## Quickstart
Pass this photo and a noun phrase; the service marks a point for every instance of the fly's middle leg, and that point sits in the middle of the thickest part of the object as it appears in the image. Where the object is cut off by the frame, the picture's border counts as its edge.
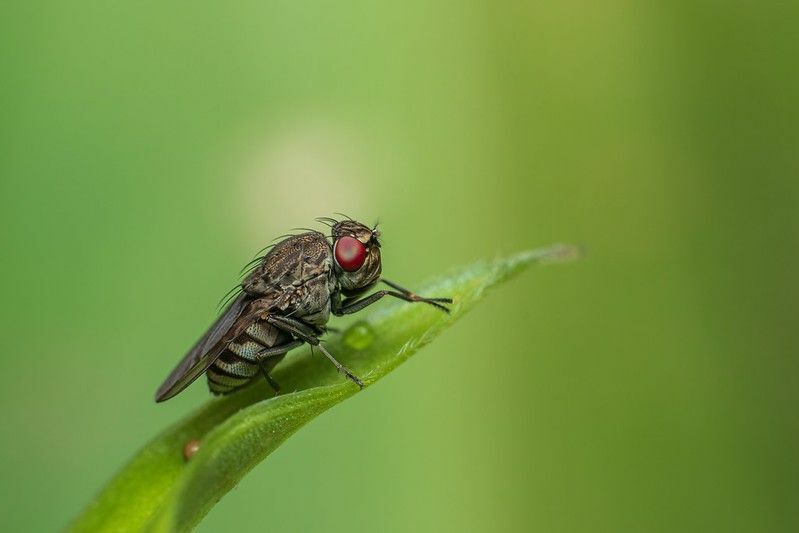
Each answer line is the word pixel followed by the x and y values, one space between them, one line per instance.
pixel 306 333
pixel 341 368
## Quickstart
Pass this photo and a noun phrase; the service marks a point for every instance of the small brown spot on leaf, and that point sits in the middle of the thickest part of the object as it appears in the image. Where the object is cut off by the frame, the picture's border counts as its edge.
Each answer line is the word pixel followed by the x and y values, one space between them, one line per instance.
pixel 190 448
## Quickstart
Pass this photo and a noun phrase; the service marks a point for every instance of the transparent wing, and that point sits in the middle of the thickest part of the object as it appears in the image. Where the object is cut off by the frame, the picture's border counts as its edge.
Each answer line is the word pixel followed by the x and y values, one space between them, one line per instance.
pixel 204 352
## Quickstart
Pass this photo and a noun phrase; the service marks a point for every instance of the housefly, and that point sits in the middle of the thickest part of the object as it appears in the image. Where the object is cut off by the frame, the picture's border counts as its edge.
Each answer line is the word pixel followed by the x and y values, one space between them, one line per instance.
pixel 285 302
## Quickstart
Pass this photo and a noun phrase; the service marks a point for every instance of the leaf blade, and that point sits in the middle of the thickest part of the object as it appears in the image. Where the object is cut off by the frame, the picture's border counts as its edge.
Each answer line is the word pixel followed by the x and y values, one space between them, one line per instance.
pixel 157 490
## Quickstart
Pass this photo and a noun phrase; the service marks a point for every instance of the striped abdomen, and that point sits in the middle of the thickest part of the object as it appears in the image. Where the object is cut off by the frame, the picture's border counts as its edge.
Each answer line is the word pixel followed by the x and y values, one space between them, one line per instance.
pixel 237 364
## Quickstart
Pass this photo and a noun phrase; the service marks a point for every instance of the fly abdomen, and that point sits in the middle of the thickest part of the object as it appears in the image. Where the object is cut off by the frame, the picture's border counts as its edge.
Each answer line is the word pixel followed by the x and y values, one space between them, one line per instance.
pixel 264 333
pixel 238 363
pixel 221 383
pixel 234 368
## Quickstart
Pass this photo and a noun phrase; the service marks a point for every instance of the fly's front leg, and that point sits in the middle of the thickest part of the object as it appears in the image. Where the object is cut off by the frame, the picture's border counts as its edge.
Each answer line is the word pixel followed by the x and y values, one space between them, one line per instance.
pixel 348 307
pixel 306 333
pixel 412 297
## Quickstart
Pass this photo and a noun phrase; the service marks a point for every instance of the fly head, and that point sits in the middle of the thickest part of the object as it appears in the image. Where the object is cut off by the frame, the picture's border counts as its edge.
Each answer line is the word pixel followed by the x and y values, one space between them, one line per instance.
pixel 356 251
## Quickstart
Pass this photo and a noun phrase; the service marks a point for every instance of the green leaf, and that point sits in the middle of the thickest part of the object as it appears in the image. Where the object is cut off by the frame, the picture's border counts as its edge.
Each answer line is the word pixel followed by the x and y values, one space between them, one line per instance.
pixel 158 490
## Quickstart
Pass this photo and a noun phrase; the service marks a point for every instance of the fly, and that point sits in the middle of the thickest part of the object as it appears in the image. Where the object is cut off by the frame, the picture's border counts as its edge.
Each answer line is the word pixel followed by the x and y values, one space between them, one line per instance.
pixel 285 302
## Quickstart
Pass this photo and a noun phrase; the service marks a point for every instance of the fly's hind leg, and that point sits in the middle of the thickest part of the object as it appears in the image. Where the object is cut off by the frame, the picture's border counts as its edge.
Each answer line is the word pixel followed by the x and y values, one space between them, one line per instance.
pixel 269 379
pixel 266 353
pixel 263 355
pixel 306 333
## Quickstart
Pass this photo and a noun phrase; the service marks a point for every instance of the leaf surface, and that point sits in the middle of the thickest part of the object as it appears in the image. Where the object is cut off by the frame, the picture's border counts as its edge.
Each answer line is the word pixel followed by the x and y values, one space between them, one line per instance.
pixel 159 491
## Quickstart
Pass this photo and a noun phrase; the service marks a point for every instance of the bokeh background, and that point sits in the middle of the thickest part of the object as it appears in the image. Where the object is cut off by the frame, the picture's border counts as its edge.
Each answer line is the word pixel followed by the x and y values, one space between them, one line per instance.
pixel 148 149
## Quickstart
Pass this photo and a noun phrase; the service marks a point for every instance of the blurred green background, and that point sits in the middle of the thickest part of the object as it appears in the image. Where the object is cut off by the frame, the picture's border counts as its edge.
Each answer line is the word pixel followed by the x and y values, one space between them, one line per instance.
pixel 148 149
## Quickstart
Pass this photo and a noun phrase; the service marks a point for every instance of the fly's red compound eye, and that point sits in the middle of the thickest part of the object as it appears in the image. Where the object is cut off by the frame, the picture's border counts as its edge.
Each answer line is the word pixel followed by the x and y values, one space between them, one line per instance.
pixel 350 253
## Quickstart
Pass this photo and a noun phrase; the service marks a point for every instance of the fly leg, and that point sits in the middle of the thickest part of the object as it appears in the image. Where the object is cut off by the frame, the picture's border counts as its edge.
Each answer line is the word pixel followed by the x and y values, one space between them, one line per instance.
pixel 262 355
pixel 414 297
pixel 306 333
pixel 269 379
pixel 348 306
pixel 278 350
pixel 341 368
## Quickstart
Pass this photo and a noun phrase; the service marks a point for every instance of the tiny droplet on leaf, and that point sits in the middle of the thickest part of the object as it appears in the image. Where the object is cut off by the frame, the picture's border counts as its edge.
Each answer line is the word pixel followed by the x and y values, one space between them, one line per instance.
pixel 359 336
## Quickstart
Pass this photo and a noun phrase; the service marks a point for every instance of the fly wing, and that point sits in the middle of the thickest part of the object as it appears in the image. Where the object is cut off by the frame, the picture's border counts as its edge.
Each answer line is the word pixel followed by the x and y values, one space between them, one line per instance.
pixel 204 352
